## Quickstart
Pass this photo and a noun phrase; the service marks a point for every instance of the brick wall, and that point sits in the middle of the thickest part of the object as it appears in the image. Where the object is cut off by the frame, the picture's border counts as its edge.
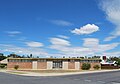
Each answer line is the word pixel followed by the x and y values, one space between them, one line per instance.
pixel 22 65
pixel 81 66
pixel 71 65
pixel 42 65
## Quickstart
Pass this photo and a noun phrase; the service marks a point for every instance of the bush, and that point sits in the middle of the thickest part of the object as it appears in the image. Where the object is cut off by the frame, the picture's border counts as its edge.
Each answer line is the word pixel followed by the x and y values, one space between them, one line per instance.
pixel 86 66
pixel 16 67
pixel 2 66
pixel 96 67
pixel 118 62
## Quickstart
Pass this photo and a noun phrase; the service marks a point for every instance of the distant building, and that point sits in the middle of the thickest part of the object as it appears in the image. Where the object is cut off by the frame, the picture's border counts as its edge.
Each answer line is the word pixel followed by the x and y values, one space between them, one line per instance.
pixel 105 61
pixel 51 63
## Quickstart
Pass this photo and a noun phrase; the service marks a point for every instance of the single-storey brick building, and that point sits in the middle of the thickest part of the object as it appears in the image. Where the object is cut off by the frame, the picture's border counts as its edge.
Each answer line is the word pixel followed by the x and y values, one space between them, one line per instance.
pixel 50 63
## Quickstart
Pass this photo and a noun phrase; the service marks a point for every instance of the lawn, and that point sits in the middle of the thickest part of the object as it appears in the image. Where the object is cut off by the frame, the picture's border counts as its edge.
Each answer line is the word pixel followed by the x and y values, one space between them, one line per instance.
pixel 52 71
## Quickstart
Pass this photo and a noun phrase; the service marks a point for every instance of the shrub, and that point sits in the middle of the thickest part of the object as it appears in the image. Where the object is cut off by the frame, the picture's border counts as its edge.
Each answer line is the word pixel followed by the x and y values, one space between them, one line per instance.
pixel 2 66
pixel 86 66
pixel 16 67
pixel 96 67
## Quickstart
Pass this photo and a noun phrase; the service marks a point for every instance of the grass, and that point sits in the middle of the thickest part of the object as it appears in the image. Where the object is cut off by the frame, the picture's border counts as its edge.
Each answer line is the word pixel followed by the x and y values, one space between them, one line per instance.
pixel 56 71
pixel 3 68
pixel 52 71
pixel 18 72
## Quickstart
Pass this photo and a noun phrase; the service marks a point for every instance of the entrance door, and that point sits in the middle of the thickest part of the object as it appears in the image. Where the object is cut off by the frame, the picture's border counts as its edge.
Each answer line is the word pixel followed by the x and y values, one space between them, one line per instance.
pixel 57 64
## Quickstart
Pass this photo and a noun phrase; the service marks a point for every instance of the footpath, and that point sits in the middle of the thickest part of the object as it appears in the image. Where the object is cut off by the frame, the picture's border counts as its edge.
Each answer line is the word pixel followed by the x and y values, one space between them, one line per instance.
pixel 26 73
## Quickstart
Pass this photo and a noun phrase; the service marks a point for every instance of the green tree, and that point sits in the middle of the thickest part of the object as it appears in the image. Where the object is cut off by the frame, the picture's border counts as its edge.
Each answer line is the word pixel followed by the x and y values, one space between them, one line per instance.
pixel 31 56
pixel 2 57
pixel 117 59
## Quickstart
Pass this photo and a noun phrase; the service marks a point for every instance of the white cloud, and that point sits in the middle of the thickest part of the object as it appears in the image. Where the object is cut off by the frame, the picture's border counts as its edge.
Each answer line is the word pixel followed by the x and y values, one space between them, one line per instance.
pixel 61 22
pixel 93 44
pixel 62 36
pixel 22 51
pixel 13 33
pixel 59 41
pixel 112 10
pixel 105 47
pixel 90 42
pixel 34 44
pixel 87 29
pixel 116 53
pixel 22 39
pixel 90 47
pixel 72 51
pixel 109 38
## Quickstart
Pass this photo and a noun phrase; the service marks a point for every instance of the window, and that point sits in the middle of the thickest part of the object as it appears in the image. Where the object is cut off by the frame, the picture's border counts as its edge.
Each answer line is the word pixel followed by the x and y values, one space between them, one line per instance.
pixel 42 60
pixel 57 64
pixel 72 60
pixel 10 60
pixel 90 61
pixel 25 60
pixel 19 60
pixel 83 61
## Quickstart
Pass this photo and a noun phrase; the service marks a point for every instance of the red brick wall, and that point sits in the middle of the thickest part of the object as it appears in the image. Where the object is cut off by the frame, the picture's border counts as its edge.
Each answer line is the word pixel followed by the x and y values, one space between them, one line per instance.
pixel 22 65
pixel 81 66
pixel 71 65
pixel 42 65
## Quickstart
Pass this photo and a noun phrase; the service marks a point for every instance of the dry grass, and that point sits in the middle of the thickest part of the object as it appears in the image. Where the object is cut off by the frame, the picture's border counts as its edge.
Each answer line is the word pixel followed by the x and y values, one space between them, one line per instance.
pixel 52 71
pixel 18 72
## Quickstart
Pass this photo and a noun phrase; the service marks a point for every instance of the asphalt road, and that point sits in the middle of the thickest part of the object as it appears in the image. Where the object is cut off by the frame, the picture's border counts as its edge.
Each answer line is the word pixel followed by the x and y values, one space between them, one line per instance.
pixel 92 78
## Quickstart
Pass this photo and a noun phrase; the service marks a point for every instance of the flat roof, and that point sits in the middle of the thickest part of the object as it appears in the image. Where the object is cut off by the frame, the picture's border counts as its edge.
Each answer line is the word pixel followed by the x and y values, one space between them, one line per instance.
pixel 59 58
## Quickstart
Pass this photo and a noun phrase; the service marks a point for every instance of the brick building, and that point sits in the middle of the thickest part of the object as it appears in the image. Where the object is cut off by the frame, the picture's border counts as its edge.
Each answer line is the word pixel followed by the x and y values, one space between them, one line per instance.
pixel 50 63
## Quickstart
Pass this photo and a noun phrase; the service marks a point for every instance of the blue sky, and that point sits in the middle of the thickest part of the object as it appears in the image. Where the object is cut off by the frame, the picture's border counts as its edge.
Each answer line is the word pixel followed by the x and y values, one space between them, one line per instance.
pixel 60 27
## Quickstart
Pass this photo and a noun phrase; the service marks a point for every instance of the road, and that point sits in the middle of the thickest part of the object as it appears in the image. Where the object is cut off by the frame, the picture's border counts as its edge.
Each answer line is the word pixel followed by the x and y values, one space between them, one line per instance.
pixel 92 78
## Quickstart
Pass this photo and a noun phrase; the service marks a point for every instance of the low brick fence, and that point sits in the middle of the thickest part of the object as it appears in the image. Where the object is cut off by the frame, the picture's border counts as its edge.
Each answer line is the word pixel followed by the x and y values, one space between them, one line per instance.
pixel 109 67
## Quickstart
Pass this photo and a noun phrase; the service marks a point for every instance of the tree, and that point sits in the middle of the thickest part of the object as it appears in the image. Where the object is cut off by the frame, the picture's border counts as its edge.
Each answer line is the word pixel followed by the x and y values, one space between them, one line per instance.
pixel 14 56
pixel 96 56
pixel 118 62
pixel 31 55
pixel 2 57
pixel 23 56
pixel 117 59
pixel 1 54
